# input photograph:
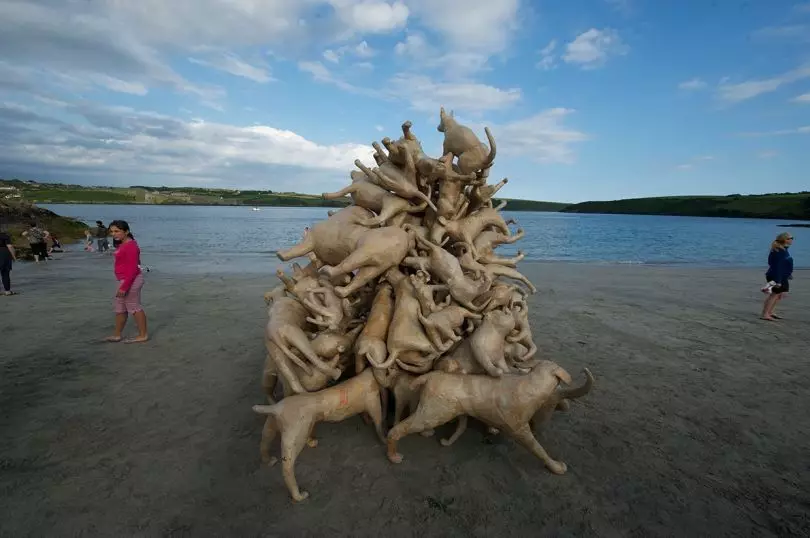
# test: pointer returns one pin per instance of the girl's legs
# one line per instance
(133, 303)
(140, 321)
(779, 297)
(120, 323)
(767, 308)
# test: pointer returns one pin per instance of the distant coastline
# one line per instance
(57, 193)
(781, 206)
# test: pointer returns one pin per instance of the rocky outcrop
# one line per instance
(15, 217)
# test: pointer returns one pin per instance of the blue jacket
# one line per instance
(780, 266)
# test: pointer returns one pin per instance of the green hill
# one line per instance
(764, 206)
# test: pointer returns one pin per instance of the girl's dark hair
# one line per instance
(123, 226)
(32, 224)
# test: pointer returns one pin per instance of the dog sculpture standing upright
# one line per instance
(295, 417)
(508, 403)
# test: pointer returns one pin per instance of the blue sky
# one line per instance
(587, 99)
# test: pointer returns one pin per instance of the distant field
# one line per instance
(78, 195)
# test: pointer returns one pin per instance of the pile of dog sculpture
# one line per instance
(403, 291)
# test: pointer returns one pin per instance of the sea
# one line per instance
(218, 239)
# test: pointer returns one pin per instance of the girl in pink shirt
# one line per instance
(130, 281)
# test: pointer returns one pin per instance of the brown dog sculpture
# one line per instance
(294, 380)
(460, 140)
(441, 326)
(480, 195)
(287, 327)
(346, 246)
(519, 397)
(425, 293)
(406, 334)
(295, 417)
(369, 195)
(484, 350)
(492, 270)
(468, 228)
(445, 268)
(371, 344)
(395, 179)
(488, 240)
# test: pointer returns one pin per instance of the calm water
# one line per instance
(225, 239)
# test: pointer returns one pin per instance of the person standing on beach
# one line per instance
(7, 259)
(101, 233)
(130, 280)
(780, 272)
(36, 239)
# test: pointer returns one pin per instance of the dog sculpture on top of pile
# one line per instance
(404, 288)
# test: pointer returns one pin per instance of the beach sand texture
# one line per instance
(697, 425)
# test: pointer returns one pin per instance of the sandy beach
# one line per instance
(697, 425)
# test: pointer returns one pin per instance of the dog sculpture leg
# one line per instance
(525, 437)
(268, 434)
(426, 417)
(460, 427)
(293, 439)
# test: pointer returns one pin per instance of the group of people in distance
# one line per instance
(101, 234)
(126, 267)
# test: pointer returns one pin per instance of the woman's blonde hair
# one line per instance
(780, 241)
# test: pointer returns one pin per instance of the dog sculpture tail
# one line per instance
(492, 151)
(582, 390)
(265, 409)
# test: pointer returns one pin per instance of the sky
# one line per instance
(586, 99)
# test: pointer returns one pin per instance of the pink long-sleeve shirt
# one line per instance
(127, 259)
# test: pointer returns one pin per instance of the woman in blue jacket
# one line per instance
(780, 271)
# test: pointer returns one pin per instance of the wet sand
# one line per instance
(697, 425)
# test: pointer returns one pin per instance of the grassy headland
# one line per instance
(761, 206)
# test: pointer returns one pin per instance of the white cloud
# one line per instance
(470, 25)
(802, 8)
(321, 73)
(781, 132)
(331, 56)
(693, 84)
(119, 141)
(799, 32)
(695, 160)
(414, 45)
(804, 98)
(735, 93)
(231, 63)
(452, 64)
(425, 94)
(547, 56)
(369, 16)
(360, 50)
(591, 49)
(121, 86)
(541, 137)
